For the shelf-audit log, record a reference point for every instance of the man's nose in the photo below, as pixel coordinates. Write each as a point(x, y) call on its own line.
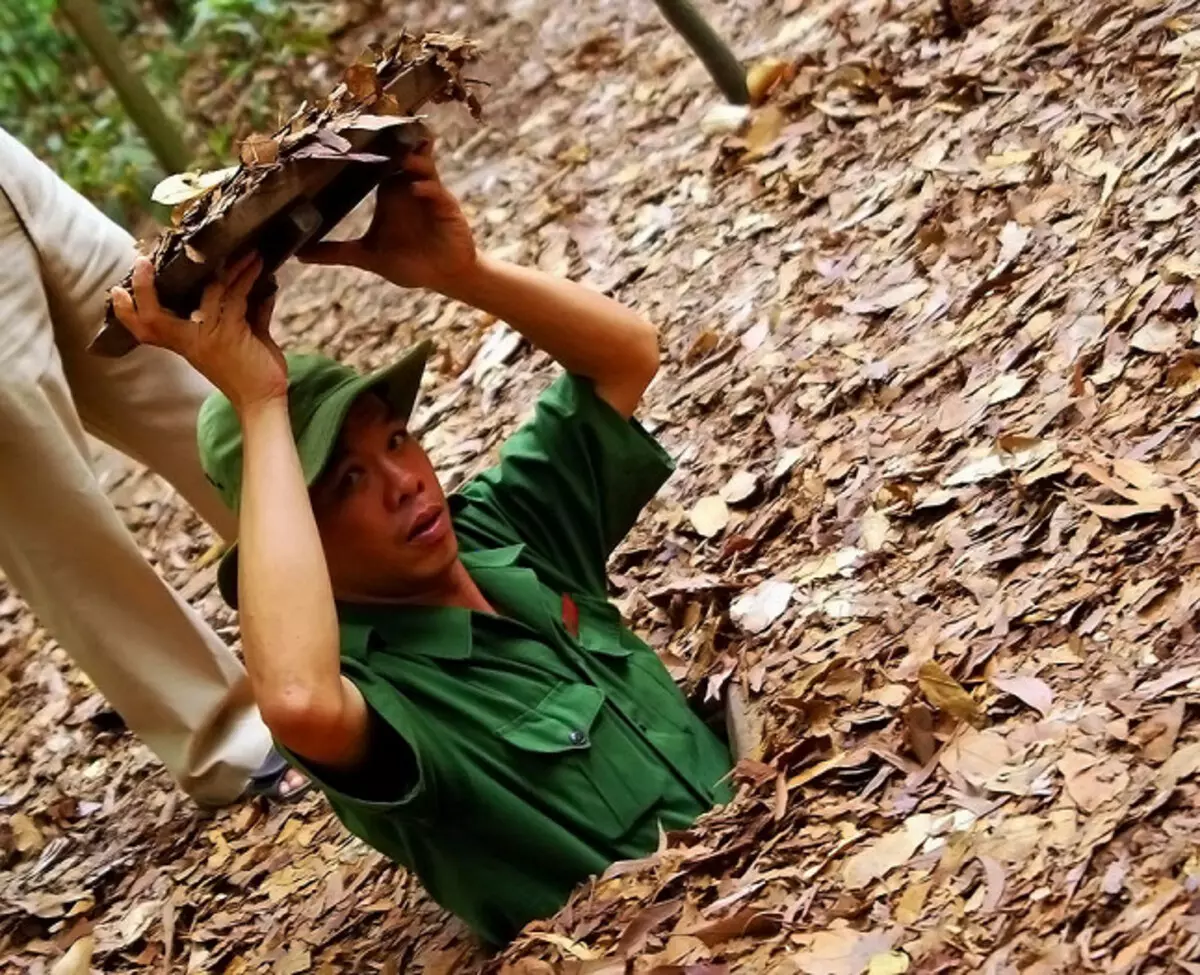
point(401, 483)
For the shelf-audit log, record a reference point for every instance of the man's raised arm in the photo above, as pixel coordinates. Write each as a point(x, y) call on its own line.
point(420, 238)
point(289, 622)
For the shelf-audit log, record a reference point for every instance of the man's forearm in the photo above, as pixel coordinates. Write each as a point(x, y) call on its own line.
point(288, 617)
point(589, 334)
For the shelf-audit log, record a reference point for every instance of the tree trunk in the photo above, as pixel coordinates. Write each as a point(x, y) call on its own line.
point(161, 135)
point(725, 68)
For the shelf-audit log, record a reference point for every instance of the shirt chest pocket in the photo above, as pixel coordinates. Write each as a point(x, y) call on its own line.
point(658, 698)
point(580, 764)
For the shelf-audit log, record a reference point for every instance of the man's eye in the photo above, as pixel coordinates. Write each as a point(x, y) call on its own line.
point(396, 440)
point(350, 480)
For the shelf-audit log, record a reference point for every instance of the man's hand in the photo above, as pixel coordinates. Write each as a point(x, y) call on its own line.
point(237, 356)
point(418, 237)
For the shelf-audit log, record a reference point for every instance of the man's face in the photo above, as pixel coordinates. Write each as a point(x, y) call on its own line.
point(381, 513)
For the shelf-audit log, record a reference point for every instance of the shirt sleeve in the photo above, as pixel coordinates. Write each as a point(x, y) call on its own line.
point(394, 778)
point(572, 481)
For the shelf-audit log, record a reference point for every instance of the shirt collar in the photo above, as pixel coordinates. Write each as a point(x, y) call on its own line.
point(444, 632)
point(492, 558)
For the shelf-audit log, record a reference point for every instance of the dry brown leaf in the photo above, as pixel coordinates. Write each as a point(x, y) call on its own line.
point(740, 488)
point(1177, 270)
point(1005, 388)
point(1013, 238)
point(766, 124)
point(885, 854)
point(978, 756)
point(1013, 157)
point(912, 901)
point(726, 119)
point(841, 951)
point(184, 187)
point(947, 694)
point(633, 938)
point(705, 341)
point(27, 837)
point(1031, 690)
point(1158, 337)
point(1156, 735)
point(123, 931)
point(1113, 881)
point(874, 527)
point(77, 960)
point(842, 562)
point(918, 729)
point(1170, 679)
point(571, 947)
point(996, 877)
point(259, 150)
point(1185, 44)
point(221, 852)
point(993, 464)
point(1137, 473)
point(1092, 780)
point(709, 516)
point(748, 923)
point(1183, 764)
point(757, 608)
point(523, 966)
point(889, 299)
point(297, 961)
point(1163, 209)
point(362, 81)
point(1120, 512)
point(889, 963)
point(1151, 497)
point(762, 76)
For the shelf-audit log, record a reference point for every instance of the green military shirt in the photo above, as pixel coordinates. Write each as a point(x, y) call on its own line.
point(538, 745)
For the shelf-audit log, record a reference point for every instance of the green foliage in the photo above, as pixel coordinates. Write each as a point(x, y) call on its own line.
point(214, 65)
point(257, 42)
point(50, 101)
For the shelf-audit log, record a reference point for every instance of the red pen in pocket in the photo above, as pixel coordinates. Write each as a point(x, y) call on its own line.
point(570, 615)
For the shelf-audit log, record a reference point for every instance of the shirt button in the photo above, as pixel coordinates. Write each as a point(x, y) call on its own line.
point(578, 738)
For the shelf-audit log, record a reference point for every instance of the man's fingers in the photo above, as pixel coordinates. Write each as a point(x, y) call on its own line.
point(237, 291)
point(210, 303)
point(226, 292)
point(426, 189)
point(239, 287)
point(260, 323)
point(436, 195)
point(231, 272)
point(162, 329)
point(141, 312)
point(144, 294)
point(126, 314)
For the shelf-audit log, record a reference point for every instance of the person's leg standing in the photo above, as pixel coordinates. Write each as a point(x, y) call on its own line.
point(172, 679)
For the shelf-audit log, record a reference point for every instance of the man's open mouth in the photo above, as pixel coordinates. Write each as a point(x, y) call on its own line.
point(425, 524)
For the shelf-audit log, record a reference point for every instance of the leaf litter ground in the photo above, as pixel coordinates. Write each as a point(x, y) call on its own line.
point(931, 372)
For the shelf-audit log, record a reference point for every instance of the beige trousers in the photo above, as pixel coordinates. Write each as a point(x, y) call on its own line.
point(63, 546)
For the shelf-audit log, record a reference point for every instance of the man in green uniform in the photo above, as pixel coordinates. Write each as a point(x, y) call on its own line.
point(448, 669)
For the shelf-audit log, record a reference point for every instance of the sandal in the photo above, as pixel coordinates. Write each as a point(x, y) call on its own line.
point(270, 780)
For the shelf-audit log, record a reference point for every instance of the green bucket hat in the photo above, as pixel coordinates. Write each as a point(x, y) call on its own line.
point(320, 394)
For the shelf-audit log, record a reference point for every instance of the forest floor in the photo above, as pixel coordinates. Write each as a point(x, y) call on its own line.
point(931, 367)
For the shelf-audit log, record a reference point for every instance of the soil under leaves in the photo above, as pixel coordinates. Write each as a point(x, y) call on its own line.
point(931, 379)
